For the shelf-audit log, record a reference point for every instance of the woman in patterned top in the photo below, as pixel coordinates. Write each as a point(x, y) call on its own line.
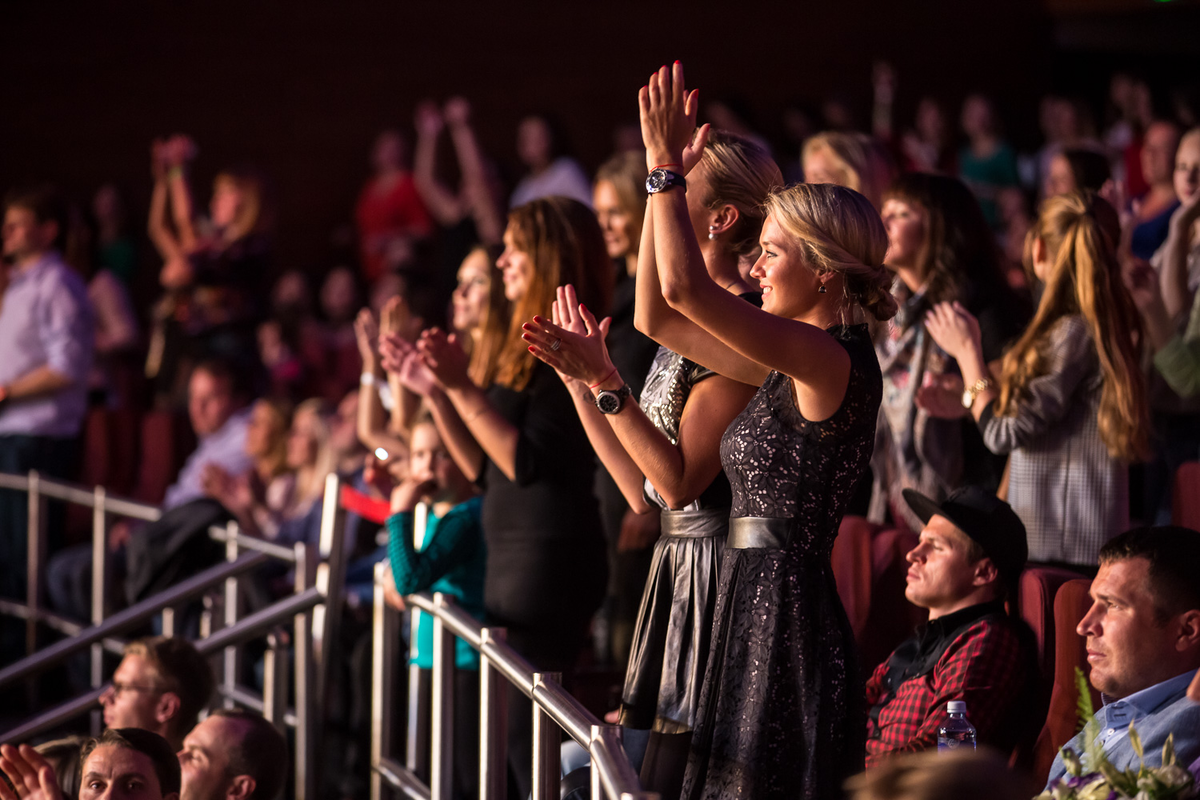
point(780, 712)
point(663, 453)
point(1069, 402)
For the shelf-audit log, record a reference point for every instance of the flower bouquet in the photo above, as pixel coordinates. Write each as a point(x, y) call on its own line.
point(1093, 777)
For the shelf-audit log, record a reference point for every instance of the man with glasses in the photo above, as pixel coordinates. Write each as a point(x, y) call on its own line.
point(161, 685)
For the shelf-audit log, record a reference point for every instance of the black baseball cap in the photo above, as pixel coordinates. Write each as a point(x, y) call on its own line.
point(985, 518)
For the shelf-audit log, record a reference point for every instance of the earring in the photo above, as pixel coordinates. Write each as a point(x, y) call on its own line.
point(712, 232)
point(821, 289)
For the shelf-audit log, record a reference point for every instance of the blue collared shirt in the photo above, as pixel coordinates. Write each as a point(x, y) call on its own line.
point(45, 321)
point(225, 447)
point(1155, 712)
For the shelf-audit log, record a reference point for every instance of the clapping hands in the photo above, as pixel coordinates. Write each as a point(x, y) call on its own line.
point(31, 775)
point(573, 343)
point(954, 329)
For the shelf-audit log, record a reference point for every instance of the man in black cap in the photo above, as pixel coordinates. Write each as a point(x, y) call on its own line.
point(968, 560)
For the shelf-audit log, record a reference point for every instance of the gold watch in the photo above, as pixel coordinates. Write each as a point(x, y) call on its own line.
point(969, 394)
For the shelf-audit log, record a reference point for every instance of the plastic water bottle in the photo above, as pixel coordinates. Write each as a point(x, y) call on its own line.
point(958, 732)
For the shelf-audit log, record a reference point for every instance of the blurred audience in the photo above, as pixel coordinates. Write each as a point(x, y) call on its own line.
point(390, 214)
point(551, 171)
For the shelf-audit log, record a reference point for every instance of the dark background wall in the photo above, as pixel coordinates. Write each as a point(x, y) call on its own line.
point(301, 89)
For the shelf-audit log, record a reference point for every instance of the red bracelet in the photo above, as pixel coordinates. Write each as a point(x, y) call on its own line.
point(606, 377)
point(661, 166)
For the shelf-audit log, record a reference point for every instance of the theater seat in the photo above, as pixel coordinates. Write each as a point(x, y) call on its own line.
point(1035, 602)
point(891, 618)
point(1185, 496)
point(1070, 605)
point(166, 441)
point(852, 569)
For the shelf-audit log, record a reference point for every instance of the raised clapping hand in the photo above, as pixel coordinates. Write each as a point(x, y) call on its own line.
point(668, 117)
point(366, 334)
point(445, 358)
point(1142, 281)
point(400, 357)
point(581, 354)
point(954, 329)
point(428, 119)
point(32, 776)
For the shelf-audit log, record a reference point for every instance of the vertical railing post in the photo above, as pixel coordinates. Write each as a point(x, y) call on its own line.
point(231, 661)
point(331, 574)
point(442, 708)
point(34, 555)
point(385, 636)
point(99, 591)
point(547, 739)
point(167, 620)
point(306, 751)
point(275, 678)
point(493, 721)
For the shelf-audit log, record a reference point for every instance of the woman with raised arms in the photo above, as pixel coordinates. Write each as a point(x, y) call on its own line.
point(779, 712)
point(662, 451)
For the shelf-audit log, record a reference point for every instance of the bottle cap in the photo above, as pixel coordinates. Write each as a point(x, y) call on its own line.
point(956, 707)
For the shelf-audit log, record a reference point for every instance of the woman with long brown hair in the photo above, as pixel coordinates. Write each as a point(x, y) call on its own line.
point(940, 249)
point(1069, 401)
point(521, 439)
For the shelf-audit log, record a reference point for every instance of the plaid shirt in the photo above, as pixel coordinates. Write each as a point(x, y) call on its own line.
point(984, 662)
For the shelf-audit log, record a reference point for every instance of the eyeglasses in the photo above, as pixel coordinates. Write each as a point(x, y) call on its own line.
point(117, 688)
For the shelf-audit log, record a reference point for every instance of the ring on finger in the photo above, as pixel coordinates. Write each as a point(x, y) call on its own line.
point(557, 343)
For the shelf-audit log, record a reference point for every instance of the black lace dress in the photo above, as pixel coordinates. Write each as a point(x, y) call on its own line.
point(781, 711)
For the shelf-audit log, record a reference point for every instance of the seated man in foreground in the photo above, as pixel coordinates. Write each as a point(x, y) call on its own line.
point(236, 754)
point(161, 685)
point(1143, 645)
point(969, 557)
point(122, 764)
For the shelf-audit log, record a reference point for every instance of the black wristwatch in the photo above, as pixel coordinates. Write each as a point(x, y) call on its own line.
point(610, 402)
point(659, 180)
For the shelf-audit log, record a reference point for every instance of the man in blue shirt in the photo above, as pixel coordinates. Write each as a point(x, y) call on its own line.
point(45, 356)
point(1143, 645)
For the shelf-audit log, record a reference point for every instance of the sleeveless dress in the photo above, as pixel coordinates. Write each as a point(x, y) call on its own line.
point(671, 638)
point(781, 712)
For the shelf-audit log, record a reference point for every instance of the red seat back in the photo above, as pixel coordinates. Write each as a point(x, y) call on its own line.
point(1185, 496)
point(852, 569)
point(1035, 601)
point(892, 617)
point(1070, 605)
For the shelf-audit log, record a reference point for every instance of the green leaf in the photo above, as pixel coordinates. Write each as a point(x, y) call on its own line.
point(1083, 699)
point(1168, 754)
point(1135, 742)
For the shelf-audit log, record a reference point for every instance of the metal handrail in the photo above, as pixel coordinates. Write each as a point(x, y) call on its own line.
point(612, 776)
point(246, 629)
point(136, 614)
point(82, 496)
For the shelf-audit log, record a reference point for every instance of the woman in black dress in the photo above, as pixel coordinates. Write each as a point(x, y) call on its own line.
point(780, 711)
point(521, 440)
point(662, 451)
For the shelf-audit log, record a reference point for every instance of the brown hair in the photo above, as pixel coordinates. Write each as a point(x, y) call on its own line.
point(739, 173)
point(958, 258)
point(260, 752)
point(865, 167)
point(180, 669)
point(281, 418)
point(149, 744)
point(838, 230)
point(1079, 233)
point(254, 214)
point(627, 174)
point(563, 239)
point(485, 352)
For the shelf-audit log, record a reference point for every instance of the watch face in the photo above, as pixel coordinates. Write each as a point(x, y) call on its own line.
point(608, 402)
point(968, 399)
point(656, 180)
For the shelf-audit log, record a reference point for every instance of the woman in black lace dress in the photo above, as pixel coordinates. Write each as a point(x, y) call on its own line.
point(780, 710)
point(662, 449)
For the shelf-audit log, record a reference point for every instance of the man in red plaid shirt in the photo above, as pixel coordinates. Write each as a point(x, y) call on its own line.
point(970, 554)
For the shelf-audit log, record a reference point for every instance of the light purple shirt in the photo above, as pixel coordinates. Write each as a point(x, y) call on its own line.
point(46, 320)
point(563, 177)
point(225, 447)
